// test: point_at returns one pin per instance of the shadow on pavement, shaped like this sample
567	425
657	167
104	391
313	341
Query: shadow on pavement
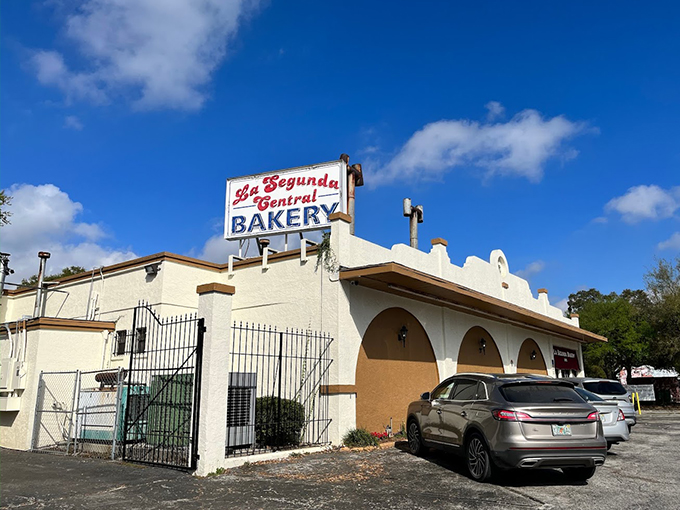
504	478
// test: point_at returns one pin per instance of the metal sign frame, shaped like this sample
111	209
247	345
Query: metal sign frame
312	213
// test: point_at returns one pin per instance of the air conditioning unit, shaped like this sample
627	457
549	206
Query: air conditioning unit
241	409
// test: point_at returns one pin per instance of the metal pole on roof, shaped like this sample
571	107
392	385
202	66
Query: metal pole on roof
4	270
415	215
43	255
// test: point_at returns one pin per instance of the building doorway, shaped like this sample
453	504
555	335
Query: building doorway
396	364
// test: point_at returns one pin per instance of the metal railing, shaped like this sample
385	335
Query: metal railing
274	399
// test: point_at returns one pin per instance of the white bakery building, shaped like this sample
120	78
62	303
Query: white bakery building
388	324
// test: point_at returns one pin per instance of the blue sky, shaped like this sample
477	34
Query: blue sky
546	130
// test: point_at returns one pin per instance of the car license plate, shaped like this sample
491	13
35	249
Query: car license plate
561	430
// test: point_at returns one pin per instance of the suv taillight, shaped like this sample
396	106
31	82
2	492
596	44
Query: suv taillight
505	415
595	416
622	417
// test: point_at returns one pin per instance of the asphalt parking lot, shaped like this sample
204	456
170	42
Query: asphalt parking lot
642	473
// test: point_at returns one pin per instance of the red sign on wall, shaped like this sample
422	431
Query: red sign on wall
565	359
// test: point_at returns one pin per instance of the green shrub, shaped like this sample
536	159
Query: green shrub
359	437
274	430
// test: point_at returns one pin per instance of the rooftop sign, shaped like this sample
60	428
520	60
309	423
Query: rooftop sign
285	201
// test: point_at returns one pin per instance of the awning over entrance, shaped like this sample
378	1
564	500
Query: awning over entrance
397	279
565	359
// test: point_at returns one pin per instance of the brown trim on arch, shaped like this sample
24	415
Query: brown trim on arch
338	389
400	280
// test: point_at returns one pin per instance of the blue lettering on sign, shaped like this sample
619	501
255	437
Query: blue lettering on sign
256	222
274	220
329	210
238	224
293	218
310	215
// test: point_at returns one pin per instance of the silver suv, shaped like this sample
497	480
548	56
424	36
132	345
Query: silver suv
509	421
610	390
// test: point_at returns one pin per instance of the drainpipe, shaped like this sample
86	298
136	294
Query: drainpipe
43	255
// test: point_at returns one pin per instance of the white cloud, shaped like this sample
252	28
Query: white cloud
531	269
562	304
495	110
44	218
73	122
519	147
163	53
672	243
645	203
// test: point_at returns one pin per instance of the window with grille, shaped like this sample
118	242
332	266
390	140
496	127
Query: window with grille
121	339
140	340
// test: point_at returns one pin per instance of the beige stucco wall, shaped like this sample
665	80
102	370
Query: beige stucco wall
293	293
48	350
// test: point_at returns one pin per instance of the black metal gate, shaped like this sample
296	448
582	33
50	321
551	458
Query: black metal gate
162	394
275	398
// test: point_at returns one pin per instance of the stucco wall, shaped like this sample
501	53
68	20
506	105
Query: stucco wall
48	350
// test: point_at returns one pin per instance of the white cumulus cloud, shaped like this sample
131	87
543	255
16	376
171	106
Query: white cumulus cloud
44	218
531	269
162	53
519	147
495	108
672	243
645	203
73	122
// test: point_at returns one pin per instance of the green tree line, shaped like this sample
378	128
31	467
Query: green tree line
642	326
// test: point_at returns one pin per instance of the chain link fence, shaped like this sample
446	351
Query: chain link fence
79	413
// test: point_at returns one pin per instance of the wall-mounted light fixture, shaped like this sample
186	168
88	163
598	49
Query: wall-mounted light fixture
152	269
482	346
402	335
532	355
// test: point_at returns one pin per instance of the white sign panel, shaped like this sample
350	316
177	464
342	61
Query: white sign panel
285	201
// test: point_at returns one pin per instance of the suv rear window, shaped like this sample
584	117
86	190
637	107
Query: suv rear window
539	393
605	387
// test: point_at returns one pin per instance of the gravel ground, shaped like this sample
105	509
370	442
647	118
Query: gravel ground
643	473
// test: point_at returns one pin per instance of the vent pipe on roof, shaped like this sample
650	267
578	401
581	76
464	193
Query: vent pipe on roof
37	311
415	215
355	178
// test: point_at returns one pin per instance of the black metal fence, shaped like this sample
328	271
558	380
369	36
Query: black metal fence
161	397
274	399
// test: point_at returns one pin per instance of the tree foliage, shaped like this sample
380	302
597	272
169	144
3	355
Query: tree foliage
5	200
643	327
67	271
622	318
663	288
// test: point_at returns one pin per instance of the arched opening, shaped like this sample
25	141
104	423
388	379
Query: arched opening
392	372
530	360
478	353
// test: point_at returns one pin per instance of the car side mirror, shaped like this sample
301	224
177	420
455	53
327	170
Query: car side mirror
425	396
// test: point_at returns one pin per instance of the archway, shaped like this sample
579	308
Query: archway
392	373
479	353
530	360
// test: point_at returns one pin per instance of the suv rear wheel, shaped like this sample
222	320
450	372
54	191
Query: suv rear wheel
478	459
415	440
